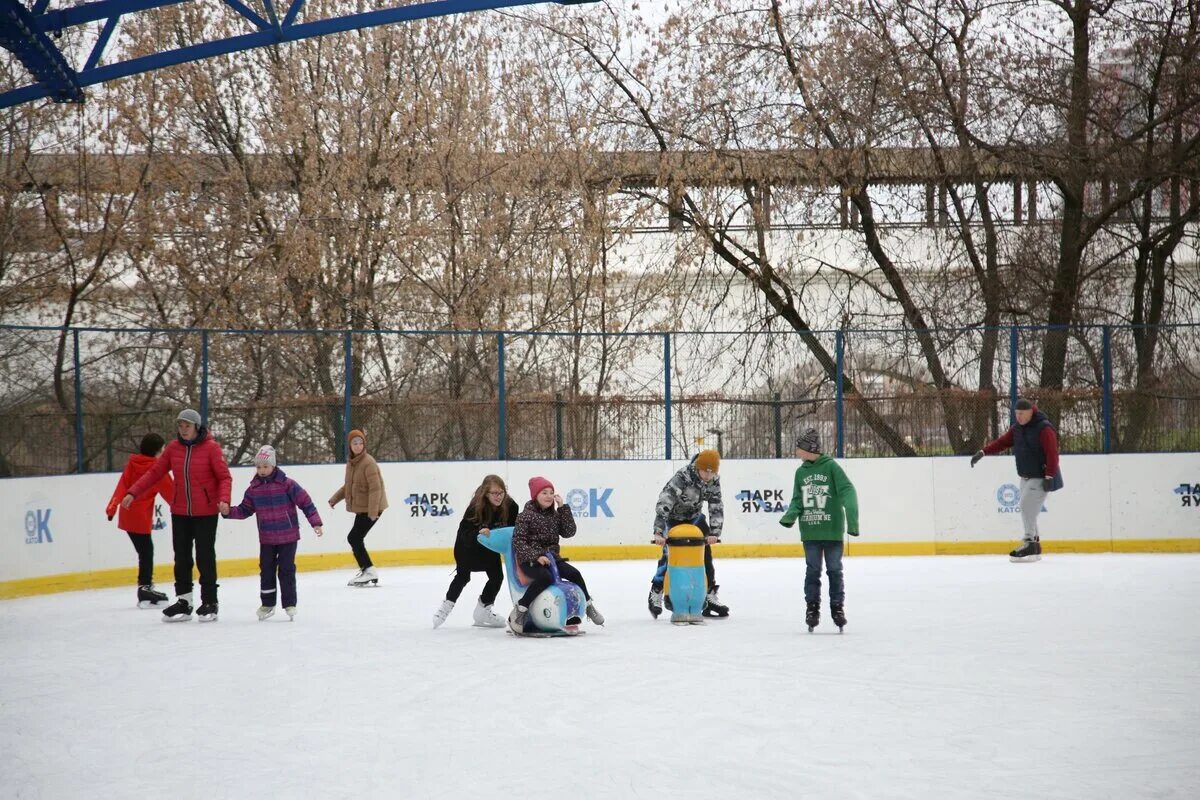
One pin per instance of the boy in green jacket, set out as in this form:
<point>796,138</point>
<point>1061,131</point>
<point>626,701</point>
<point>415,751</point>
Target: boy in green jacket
<point>824,501</point>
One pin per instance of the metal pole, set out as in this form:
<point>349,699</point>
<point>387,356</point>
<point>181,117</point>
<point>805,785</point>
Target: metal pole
<point>839,401</point>
<point>558,426</point>
<point>778,428</point>
<point>1107,390</point>
<point>667,389</point>
<point>1013,332</point>
<point>502,434</point>
<point>347,421</point>
<point>79,464</point>
<point>204,377</point>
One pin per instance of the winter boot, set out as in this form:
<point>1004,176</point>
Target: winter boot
<point>365,577</point>
<point>264,612</point>
<point>485,617</point>
<point>207,612</point>
<point>180,610</point>
<point>291,612</point>
<point>837,613</point>
<point>812,616</point>
<point>148,597</point>
<point>712,604</point>
<point>443,611</point>
<point>655,601</point>
<point>594,614</point>
<point>516,619</point>
<point>1030,550</point>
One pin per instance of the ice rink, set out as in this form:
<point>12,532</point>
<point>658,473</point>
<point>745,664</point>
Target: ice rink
<point>957,677</point>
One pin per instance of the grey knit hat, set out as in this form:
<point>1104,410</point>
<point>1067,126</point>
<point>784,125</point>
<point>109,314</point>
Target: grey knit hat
<point>189,415</point>
<point>266,455</point>
<point>810,440</point>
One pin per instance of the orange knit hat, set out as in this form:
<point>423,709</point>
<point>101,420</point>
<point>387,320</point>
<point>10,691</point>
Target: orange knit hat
<point>708,459</point>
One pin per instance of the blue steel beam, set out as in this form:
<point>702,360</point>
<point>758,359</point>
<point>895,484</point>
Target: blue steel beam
<point>20,35</point>
<point>62,82</point>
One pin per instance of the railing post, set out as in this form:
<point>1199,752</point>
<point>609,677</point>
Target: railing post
<point>79,459</point>
<point>347,392</point>
<point>1013,333</point>
<point>558,426</point>
<point>667,390</point>
<point>1107,388</point>
<point>204,377</point>
<point>778,428</point>
<point>838,394</point>
<point>501,397</point>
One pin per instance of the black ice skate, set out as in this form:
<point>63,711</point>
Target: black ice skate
<point>838,614</point>
<point>812,616</point>
<point>1030,550</point>
<point>207,612</point>
<point>180,610</point>
<point>148,597</point>
<point>655,601</point>
<point>712,604</point>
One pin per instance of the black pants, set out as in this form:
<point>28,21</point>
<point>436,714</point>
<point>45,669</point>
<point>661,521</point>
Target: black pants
<point>145,550</point>
<point>362,526</point>
<point>281,559</point>
<point>540,578</point>
<point>462,577</point>
<point>660,571</point>
<point>201,532</point>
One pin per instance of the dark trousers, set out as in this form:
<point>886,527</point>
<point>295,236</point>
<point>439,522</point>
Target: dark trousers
<point>201,532</point>
<point>832,554</point>
<point>495,579</point>
<point>362,526</point>
<point>145,550</point>
<point>279,558</point>
<point>660,572</point>
<point>540,578</point>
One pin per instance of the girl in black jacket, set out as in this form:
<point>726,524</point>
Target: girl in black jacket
<point>491,507</point>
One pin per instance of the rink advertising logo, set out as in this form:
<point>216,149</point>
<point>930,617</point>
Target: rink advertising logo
<point>429,504</point>
<point>756,501</point>
<point>1008,499</point>
<point>160,518</point>
<point>37,526</point>
<point>1189,495</point>
<point>589,502</point>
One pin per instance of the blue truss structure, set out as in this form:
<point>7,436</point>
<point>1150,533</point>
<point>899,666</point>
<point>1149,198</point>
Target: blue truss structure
<point>27,32</point>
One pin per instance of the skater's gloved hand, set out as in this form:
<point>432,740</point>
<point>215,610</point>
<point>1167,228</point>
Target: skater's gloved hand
<point>659,539</point>
<point>318,531</point>
<point>1047,484</point>
<point>975,458</point>
<point>786,524</point>
<point>712,539</point>
<point>852,533</point>
<point>110,516</point>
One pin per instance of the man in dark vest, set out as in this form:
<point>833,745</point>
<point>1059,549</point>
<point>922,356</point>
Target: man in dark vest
<point>1035,445</point>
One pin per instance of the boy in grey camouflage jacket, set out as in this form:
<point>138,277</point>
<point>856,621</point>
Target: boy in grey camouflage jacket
<point>682,501</point>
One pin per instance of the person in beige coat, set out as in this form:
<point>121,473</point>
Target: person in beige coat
<point>366,500</point>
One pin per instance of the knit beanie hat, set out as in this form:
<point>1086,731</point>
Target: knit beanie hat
<point>536,484</point>
<point>356,432</point>
<point>709,460</point>
<point>810,440</point>
<point>265,455</point>
<point>189,415</point>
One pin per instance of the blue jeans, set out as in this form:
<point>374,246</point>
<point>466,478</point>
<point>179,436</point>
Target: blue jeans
<point>832,553</point>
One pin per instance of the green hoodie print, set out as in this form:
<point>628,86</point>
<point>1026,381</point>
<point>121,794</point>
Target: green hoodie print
<point>823,500</point>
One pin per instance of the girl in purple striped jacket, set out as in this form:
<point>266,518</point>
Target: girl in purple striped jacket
<point>274,498</point>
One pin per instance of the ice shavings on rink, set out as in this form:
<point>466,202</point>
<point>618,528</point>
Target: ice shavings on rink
<point>957,677</point>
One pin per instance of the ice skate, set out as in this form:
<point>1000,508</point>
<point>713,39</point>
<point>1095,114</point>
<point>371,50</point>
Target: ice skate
<point>594,614</point>
<point>516,619</point>
<point>365,577</point>
<point>291,612</point>
<point>443,611</point>
<point>838,614</point>
<point>485,617</point>
<point>812,616</point>
<point>655,601</point>
<point>207,612</point>
<point>264,612</point>
<point>148,597</point>
<point>180,610</point>
<point>712,604</point>
<point>1029,551</point>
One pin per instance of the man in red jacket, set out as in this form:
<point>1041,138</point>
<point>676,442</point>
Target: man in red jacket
<point>202,487</point>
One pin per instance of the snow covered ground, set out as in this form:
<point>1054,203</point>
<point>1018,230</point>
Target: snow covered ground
<point>962,677</point>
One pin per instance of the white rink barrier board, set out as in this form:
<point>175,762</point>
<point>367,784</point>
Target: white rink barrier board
<point>56,536</point>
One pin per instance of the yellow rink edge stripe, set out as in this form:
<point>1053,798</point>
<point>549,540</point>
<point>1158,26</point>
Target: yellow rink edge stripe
<point>315,562</point>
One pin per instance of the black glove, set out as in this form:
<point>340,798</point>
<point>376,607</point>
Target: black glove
<point>852,533</point>
<point>975,458</point>
<point>1047,484</point>
<point>110,516</point>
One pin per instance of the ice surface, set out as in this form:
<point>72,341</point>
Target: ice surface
<point>958,677</point>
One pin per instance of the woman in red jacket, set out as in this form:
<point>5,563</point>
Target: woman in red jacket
<point>202,486</point>
<point>138,519</point>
